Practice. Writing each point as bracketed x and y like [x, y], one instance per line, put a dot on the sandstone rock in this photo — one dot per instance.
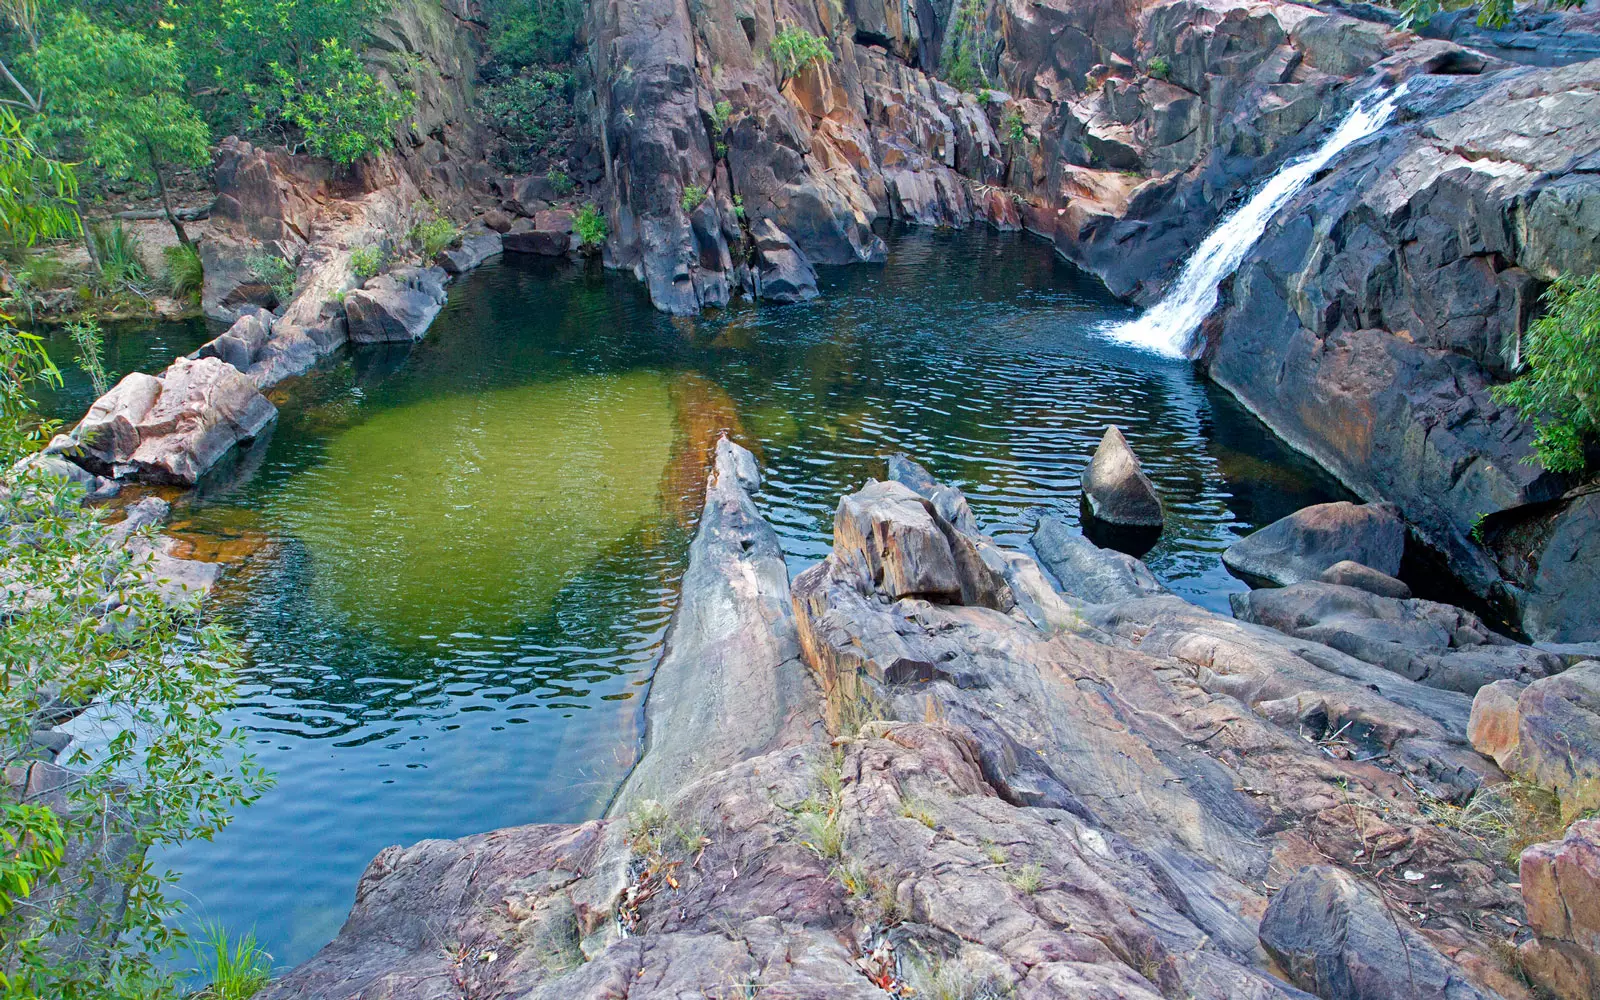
[527, 236]
[178, 581]
[1299, 547]
[1336, 938]
[1495, 722]
[395, 307]
[476, 247]
[731, 684]
[1087, 572]
[1431, 643]
[230, 286]
[889, 532]
[1115, 488]
[1346, 573]
[1558, 737]
[783, 273]
[496, 221]
[173, 428]
[241, 345]
[1561, 890]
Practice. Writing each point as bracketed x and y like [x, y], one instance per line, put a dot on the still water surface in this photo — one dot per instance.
[455, 562]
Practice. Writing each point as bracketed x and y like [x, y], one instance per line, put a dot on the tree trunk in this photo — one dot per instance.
[166, 204]
[88, 241]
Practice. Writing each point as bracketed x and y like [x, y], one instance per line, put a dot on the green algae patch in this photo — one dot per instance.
[468, 513]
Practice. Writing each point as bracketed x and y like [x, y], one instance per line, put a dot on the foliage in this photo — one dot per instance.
[434, 236]
[151, 765]
[1491, 14]
[794, 48]
[37, 193]
[121, 260]
[590, 225]
[951, 979]
[533, 32]
[1560, 389]
[90, 342]
[528, 109]
[274, 272]
[1014, 126]
[560, 183]
[1027, 878]
[114, 98]
[738, 206]
[366, 261]
[185, 272]
[693, 196]
[963, 50]
[344, 114]
[235, 969]
[721, 116]
[1158, 68]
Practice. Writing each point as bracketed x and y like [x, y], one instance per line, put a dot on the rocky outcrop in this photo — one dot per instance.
[1431, 643]
[548, 233]
[477, 246]
[171, 428]
[731, 684]
[1347, 573]
[1561, 889]
[1547, 733]
[1302, 546]
[395, 307]
[1115, 488]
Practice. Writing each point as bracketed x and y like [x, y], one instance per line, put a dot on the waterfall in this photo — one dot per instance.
[1167, 327]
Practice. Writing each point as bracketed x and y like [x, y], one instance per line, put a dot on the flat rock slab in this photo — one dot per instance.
[476, 247]
[1298, 548]
[1115, 488]
[172, 428]
[396, 307]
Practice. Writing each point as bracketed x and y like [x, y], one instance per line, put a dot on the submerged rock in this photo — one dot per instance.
[1300, 547]
[1115, 488]
[172, 428]
[395, 307]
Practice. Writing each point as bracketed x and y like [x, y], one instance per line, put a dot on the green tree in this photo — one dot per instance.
[341, 111]
[38, 194]
[118, 100]
[795, 48]
[1560, 389]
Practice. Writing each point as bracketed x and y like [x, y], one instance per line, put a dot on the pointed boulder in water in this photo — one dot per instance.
[1115, 488]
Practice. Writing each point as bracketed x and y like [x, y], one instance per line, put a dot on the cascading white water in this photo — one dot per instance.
[1167, 326]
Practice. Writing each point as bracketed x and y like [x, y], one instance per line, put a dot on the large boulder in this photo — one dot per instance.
[1348, 573]
[1435, 644]
[1115, 488]
[395, 307]
[1085, 571]
[1298, 548]
[1556, 722]
[1561, 890]
[1339, 939]
[241, 344]
[477, 246]
[172, 428]
[783, 274]
[549, 234]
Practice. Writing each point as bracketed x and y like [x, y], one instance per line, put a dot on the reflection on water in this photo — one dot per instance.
[456, 561]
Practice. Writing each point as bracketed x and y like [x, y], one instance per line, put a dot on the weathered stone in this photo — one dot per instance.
[1558, 737]
[173, 428]
[1561, 890]
[1338, 939]
[1115, 488]
[496, 221]
[476, 247]
[1346, 573]
[890, 534]
[783, 273]
[1087, 572]
[1298, 548]
[241, 345]
[395, 307]
[1495, 722]
[1435, 644]
[526, 236]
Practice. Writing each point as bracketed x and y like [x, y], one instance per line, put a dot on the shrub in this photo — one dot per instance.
[434, 236]
[367, 261]
[963, 53]
[344, 114]
[1560, 389]
[721, 115]
[274, 272]
[590, 226]
[559, 181]
[693, 196]
[121, 263]
[90, 342]
[185, 272]
[527, 110]
[533, 32]
[795, 48]
[1159, 68]
[1014, 126]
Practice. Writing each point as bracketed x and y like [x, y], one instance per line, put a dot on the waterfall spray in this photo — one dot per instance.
[1167, 327]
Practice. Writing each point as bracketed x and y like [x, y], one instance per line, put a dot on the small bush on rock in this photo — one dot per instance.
[365, 262]
[693, 196]
[795, 48]
[1159, 68]
[1560, 389]
[434, 236]
[274, 272]
[590, 225]
[185, 272]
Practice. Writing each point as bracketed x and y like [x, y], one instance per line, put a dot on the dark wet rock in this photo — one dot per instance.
[1338, 939]
[1085, 571]
[1115, 488]
[1547, 732]
[1552, 565]
[1561, 890]
[1431, 643]
[476, 247]
[1298, 548]
[1347, 573]
[397, 306]
[731, 684]
[782, 273]
[527, 235]
[171, 428]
